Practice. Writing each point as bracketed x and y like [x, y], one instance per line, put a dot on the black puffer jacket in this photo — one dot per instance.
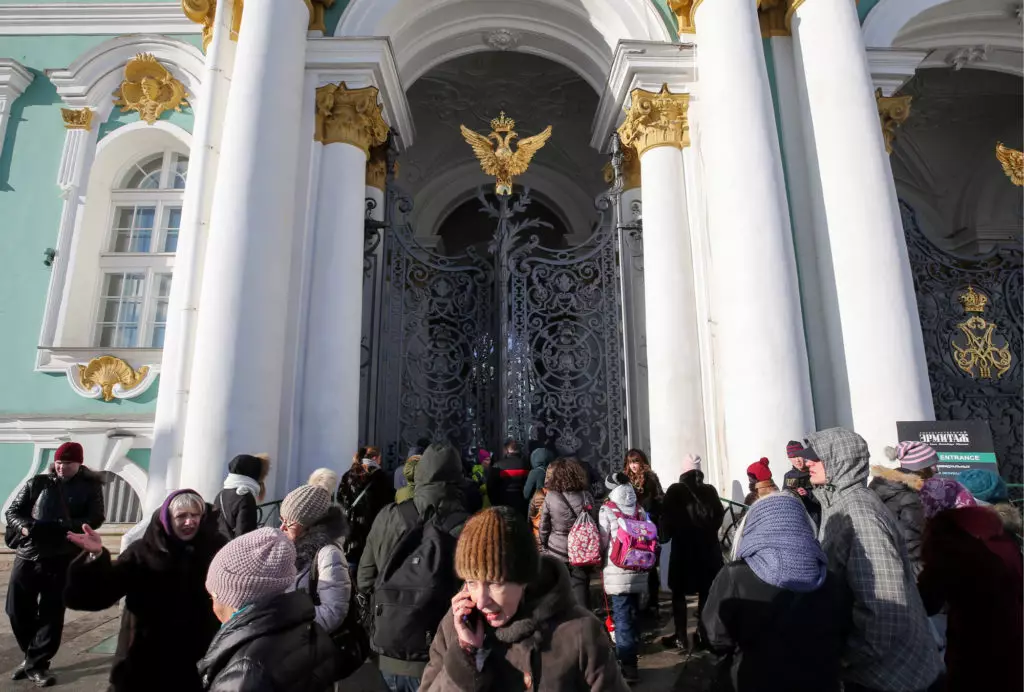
[271, 646]
[691, 516]
[361, 507]
[48, 516]
[900, 493]
[506, 482]
[238, 513]
[557, 517]
[168, 620]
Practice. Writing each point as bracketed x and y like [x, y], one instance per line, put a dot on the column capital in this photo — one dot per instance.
[377, 167]
[893, 111]
[684, 10]
[773, 16]
[77, 118]
[349, 116]
[655, 120]
[204, 12]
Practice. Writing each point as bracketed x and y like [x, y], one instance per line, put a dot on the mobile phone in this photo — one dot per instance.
[471, 619]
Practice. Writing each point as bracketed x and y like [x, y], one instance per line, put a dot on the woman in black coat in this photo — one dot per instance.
[243, 491]
[775, 615]
[364, 491]
[692, 514]
[167, 622]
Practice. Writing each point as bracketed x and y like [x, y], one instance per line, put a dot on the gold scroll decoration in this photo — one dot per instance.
[106, 372]
[893, 111]
[349, 116]
[656, 119]
[377, 167]
[499, 160]
[1013, 163]
[685, 10]
[975, 350]
[77, 119]
[630, 170]
[149, 88]
[203, 12]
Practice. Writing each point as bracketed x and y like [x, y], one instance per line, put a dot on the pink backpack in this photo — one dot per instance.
[584, 540]
[634, 542]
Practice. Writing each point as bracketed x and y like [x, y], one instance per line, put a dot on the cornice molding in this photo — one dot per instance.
[643, 65]
[892, 68]
[85, 18]
[14, 79]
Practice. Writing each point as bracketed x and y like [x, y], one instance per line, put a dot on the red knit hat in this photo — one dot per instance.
[759, 471]
[70, 451]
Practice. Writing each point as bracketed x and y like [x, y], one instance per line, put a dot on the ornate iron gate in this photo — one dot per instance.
[525, 342]
[986, 382]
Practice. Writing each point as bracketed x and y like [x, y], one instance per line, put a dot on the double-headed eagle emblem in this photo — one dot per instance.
[499, 160]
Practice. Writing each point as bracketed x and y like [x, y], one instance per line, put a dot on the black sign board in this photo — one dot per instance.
[960, 444]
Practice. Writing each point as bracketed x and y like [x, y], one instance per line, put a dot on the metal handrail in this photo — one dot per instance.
[734, 514]
[268, 514]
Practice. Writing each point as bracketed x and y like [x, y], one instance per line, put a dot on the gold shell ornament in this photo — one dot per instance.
[109, 377]
[149, 88]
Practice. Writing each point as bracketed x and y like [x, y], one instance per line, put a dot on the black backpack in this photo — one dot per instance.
[414, 590]
[351, 645]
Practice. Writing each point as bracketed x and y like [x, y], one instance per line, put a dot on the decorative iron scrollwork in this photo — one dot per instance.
[977, 353]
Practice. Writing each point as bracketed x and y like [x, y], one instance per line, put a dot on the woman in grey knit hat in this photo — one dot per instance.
[317, 527]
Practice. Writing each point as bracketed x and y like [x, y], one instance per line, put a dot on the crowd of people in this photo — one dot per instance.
[480, 573]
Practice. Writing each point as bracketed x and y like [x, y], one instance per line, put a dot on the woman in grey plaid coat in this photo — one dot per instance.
[890, 647]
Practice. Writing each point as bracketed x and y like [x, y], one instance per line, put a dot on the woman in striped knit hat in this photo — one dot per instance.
[899, 489]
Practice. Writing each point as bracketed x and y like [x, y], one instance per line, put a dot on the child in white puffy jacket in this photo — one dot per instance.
[622, 586]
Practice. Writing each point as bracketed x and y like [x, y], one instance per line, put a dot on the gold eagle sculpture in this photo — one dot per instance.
[499, 160]
[1013, 163]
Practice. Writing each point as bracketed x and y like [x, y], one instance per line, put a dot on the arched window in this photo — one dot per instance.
[138, 257]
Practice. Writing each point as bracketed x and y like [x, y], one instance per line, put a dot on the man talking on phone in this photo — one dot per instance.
[49, 505]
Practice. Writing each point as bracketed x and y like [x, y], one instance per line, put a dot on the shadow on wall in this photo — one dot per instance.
[41, 92]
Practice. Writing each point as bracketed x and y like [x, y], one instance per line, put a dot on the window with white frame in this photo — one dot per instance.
[138, 259]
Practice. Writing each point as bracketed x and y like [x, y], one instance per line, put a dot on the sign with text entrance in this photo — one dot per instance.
[961, 445]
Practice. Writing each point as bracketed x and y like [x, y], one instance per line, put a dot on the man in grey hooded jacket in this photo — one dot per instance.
[890, 647]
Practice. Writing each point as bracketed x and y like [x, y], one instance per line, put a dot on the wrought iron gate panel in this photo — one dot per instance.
[435, 370]
[939, 281]
[563, 341]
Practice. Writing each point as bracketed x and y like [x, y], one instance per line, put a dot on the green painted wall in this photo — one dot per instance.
[14, 462]
[30, 208]
[140, 457]
[865, 6]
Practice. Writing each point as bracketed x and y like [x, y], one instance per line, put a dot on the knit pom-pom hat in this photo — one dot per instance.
[253, 567]
[915, 456]
[986, 486]
[759, 470]
[497, 545]
[306, 505]
[691, 462]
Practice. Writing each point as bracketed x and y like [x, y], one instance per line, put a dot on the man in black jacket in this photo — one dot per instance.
[506, 479]
[50, 505]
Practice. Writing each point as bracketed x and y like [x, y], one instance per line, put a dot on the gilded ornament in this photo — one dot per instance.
[977, 353]
[792, 7]
[204, 11]
[499, 160]
[1013, 163]
[630, 170]
[893, 111]
[771, 15]
[77, 119]
[377, 167]
[149, 88]
[316, 14]
[349, 116]
[109, 373]
[656, 120]
[685, 10]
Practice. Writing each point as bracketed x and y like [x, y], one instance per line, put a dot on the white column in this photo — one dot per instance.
[673, 363]
[656, 127]
[760, 354]
[330, 410]
[236, 382]
[803, 190]
[859, 216]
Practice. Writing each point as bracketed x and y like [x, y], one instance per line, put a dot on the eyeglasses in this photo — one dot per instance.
[286, 525]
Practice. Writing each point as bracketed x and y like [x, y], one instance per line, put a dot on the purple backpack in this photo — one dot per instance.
[634, 542]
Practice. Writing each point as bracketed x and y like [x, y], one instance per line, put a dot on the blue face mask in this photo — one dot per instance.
[236, 614]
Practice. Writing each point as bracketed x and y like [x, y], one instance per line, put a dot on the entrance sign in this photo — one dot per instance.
[961, 444]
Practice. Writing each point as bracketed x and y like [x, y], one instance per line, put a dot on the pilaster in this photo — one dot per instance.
[14, 79]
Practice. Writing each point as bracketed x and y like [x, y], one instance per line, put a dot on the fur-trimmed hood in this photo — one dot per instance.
[911, 480]
[331, 529]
